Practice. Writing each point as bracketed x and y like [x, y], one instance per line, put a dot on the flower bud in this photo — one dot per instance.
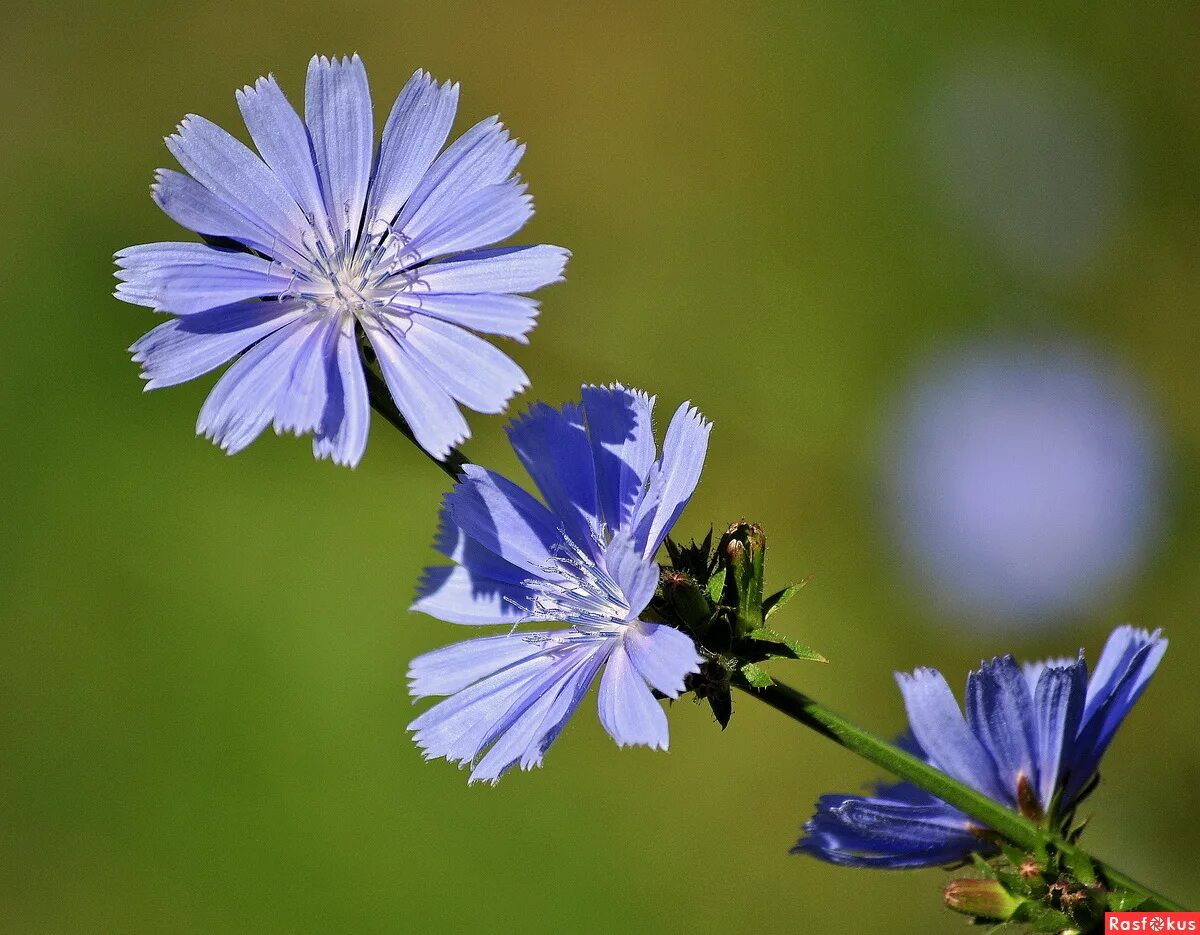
[743, 550]
[984, 899]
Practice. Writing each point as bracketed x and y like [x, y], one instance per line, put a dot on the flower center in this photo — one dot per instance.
[578, 590]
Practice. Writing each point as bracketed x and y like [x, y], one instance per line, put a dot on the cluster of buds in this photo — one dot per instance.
[716, 595]
[1044, 894]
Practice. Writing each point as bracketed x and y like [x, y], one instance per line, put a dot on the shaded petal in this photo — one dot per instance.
[464, 365]
[938, 726]
[484, 155]
[185, 348]
[344, 424]
[636, 576]
[511, 316]
[628, 709]
[500, 269]
[233, 173]
[452, 668]
[463, 595]
[1129, 660]
[505, 520]
[337, 110]
[621, 434]
[415, 130]
[672, 484]
[243, 402]
[185, 278]
[662, 655]
[1000, 712]
[553, 447]
[429, 410]
[283, 141]
[1058, 702]
[885, 833]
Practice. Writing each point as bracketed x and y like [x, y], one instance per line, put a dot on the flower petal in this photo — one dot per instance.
[302, 400]
[429, 410]
[883, 833]
[636, 576]
[499, 269]
[185, 348]
[553, 447]
[1058, 703]
[185, 278]
[452, 668]
[478, 219]
[234, 174]
[484, 155]
[337, 110]
[505, 520]
[543, 712]
[674, 481]
[1129, 660]
[938, 726]
[466, 366]
[621, 434]
[283, 141]
[511, 316]
[628, 709]
[1000, 712]
[415, 130]
[458, 594]
[243, 402]
[187, 202]
[344, 424]
[662, 655]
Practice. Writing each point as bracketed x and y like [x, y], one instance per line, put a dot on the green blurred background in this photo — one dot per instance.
[202, 677]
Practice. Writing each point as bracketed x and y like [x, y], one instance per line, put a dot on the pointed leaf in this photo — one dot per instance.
[779, 598]
[756, 676]
[788, 648]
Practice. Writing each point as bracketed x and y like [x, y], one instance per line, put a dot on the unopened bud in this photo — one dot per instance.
[983, 899]
[687, 600]
[743, 551]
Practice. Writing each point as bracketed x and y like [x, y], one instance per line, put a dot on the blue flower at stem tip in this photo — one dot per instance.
[320, 236]
[1032, 739]
[585, 558]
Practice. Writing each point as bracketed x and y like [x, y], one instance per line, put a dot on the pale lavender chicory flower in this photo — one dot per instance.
[584, 558]
[321, 237]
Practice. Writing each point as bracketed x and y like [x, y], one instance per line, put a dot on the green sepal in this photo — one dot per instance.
[757, 676]
[716, 586]
[788, 647]
[1124, 901]
[1045, 921]
[1080, 865]
[779, 598]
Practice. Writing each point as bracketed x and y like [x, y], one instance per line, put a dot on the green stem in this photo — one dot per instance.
[381, 402]
[1008, 824]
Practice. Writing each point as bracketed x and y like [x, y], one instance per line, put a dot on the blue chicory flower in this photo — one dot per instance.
[323, 237]
[585, 558]
[1032, 739]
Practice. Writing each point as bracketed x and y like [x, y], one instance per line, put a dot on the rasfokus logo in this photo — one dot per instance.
[1152, 922]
